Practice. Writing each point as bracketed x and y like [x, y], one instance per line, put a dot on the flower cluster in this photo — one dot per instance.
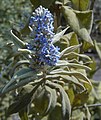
[41, 26]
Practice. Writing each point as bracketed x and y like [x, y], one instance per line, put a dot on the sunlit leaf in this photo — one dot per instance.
[83, 33]
[72, 65]
[77, 27]
[59, 35]
[74, 23]
[16, 40]
[69, 49]
[73, 73]
[72, 55]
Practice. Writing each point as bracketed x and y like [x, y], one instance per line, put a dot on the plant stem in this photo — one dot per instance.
[89, 106]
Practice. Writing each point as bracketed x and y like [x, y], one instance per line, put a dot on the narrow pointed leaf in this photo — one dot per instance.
[21, 74]
[17, 41]
[52, 100]
[98, 48]
[72, 54]
[59, 35]
[69, 49]
[22, 83]
[65, 103]
[72, 73]
[72, 65]
[21, 102]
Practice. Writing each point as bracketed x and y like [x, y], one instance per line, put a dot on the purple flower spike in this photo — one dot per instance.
[41, 26]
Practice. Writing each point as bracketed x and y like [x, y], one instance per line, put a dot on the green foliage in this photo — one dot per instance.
[80, 4]
[60, 92]
[80, 23]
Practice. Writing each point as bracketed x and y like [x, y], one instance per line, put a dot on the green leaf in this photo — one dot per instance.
[78, 115]
[98, 48]
[56, 113]
[24, 51]
[88, 86]
[85, 19]
[71, 73]
[80, 98]
[22, 83]
[78, 27]
[65, 1]
[45, 101]
[92, 65]
[68, 14]
[25, 31]
[62, 43]
[52, 100]
[19, 63]
[71, 40]
[83, 33]
[23, 114]
[72, 65]
[70, 93]
[21, 102]
[65, 103]
[21, 74]
[74, 41]
[72, 37]
[69, 49]
[17, 39]
[66, 79]
[74, 80]
[59, 35]
[72, 55]
[80, 4]
[41, 102]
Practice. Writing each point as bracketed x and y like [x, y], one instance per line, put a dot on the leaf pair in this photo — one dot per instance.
[81, 23]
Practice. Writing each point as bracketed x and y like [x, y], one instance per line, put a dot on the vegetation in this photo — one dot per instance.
[39, 80]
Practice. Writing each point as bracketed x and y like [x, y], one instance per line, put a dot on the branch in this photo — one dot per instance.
[89, 106]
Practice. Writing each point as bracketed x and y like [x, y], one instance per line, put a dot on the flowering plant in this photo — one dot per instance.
[48, 73]
[41, 26]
